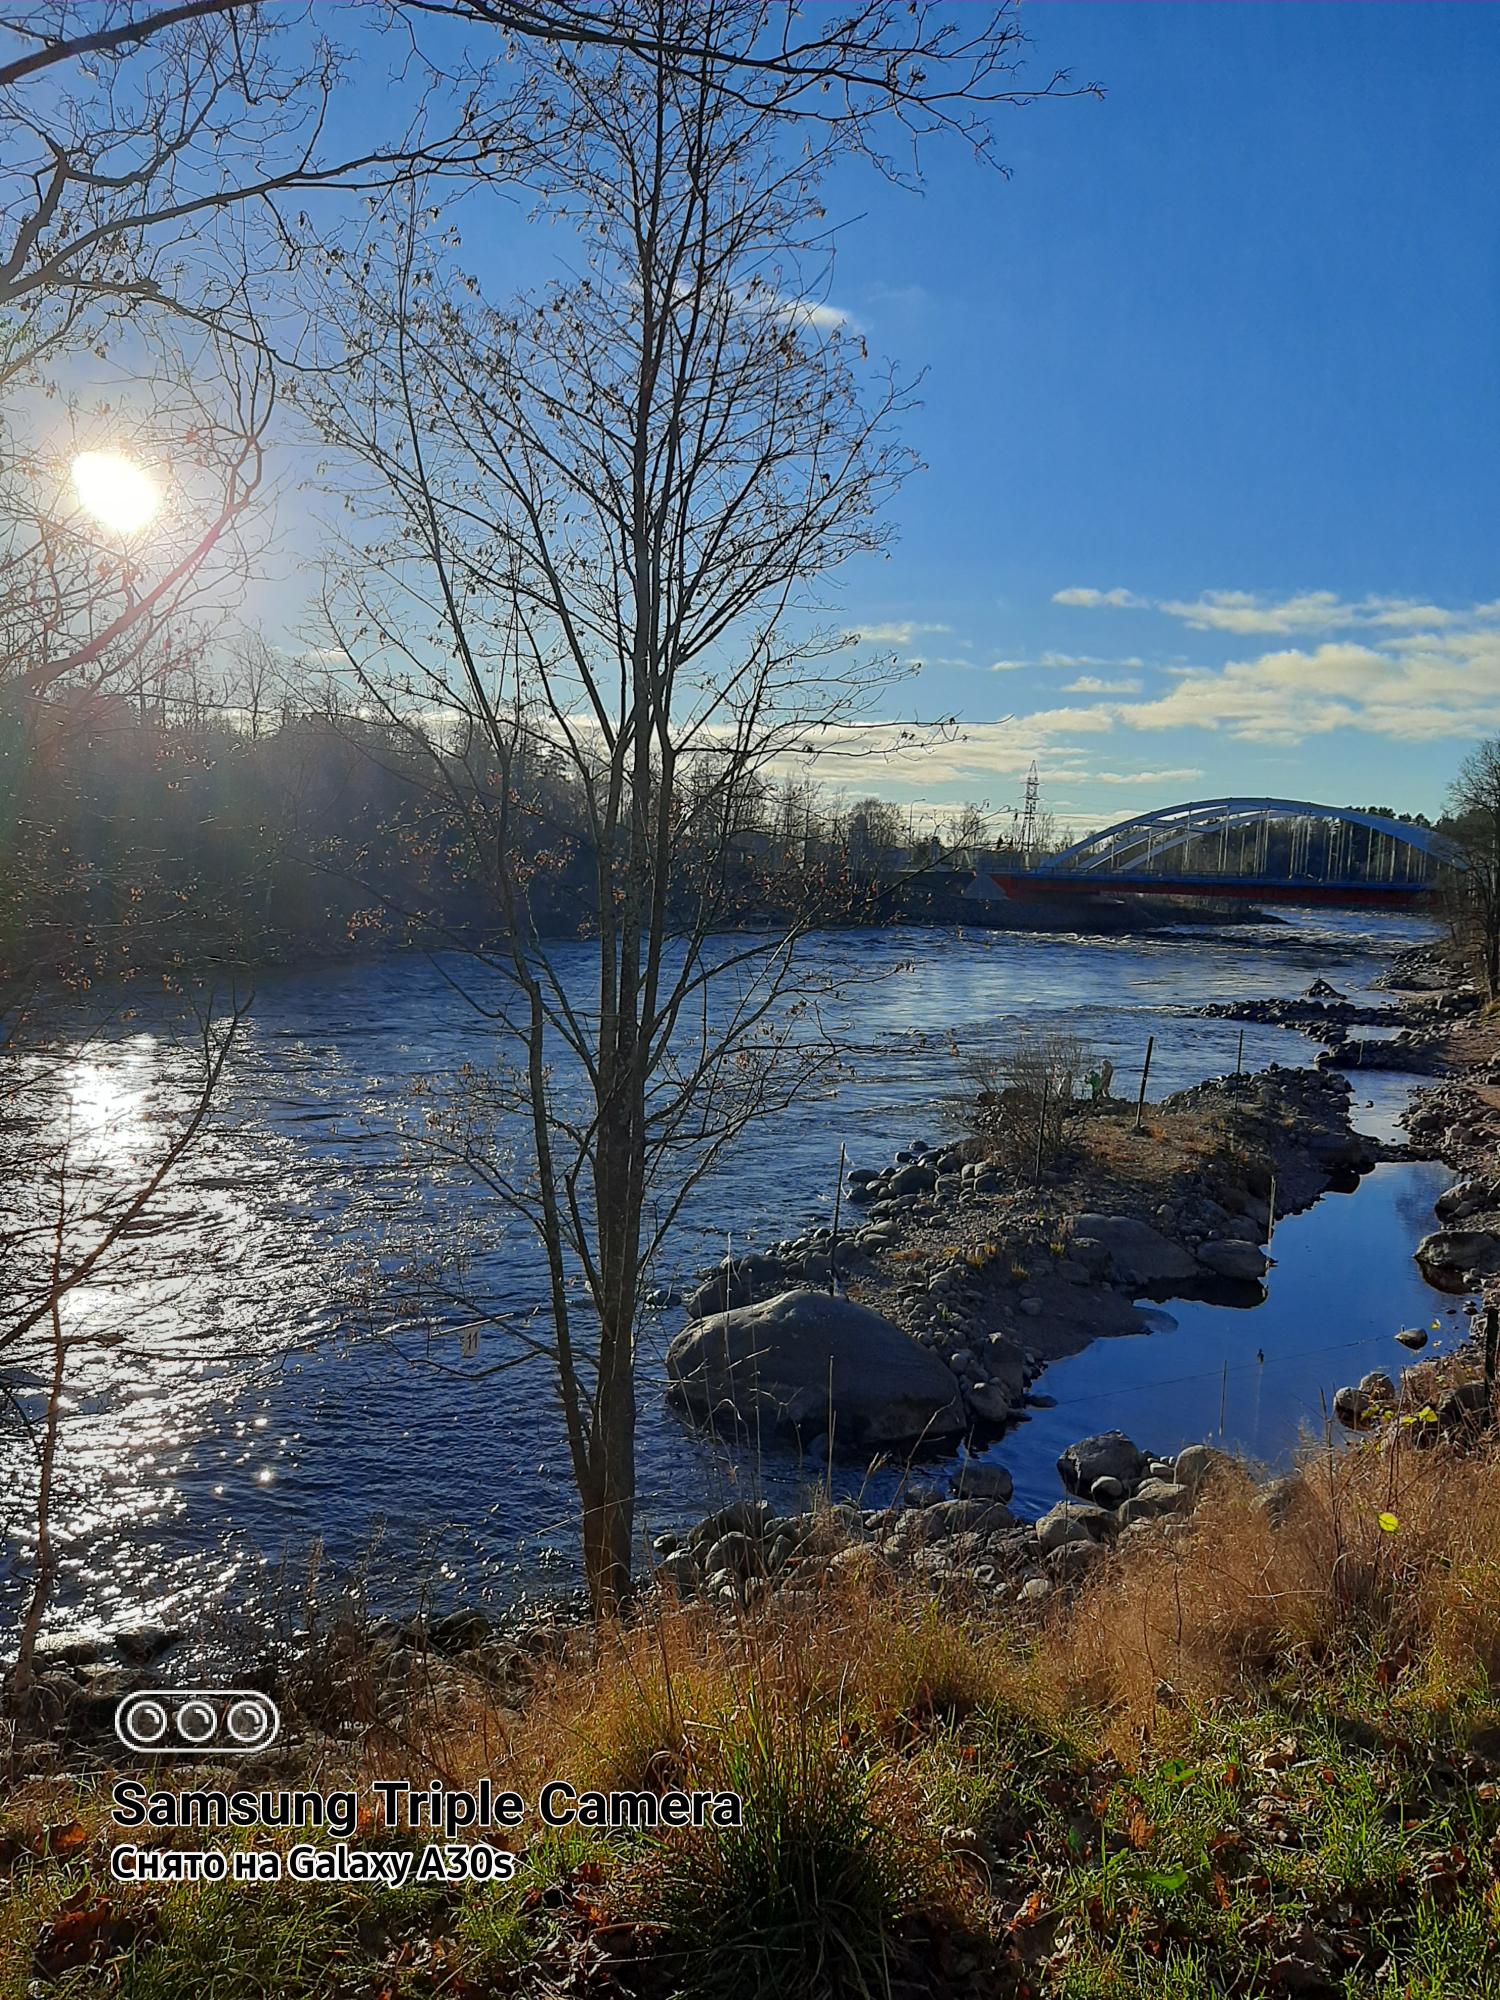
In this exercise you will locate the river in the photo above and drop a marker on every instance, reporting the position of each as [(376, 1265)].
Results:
[(243, 1417)]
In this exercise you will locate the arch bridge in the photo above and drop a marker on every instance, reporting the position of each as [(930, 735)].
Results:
[(1251, 850)]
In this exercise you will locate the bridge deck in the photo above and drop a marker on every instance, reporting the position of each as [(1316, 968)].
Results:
[(1239, 889)]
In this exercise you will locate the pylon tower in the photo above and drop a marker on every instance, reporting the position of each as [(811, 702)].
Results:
[(1028, 815)]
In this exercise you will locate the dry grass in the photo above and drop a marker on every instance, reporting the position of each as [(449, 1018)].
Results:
[(1206, 1613), (1210, 1614), (1192, 1615), (1171, 1146), (883, 1737)]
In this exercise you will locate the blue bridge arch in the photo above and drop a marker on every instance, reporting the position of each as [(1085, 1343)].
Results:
[(1245, 849)]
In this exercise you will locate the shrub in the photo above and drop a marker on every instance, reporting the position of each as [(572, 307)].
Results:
[(799, 1901), (1017, 1099)]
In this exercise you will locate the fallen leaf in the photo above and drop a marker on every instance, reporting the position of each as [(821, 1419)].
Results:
[(1279, 1754), (64, 1839), (83, 1933)]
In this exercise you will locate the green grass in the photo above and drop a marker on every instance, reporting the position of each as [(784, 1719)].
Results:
[(1329, 1835), (1274, 1850), (222, 1942), (798, 1903)]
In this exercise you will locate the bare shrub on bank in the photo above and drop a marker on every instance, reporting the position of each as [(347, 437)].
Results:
[(1017, 1099)]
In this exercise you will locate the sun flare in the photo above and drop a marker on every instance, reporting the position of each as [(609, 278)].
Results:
[(117, 492)]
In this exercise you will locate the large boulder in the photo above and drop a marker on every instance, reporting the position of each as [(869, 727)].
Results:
[(1137, 1253), (1467, 1198), (749, 1278), (1448, 1255), (1341, 1153), (1229, 1258), (979, 1480), (1195, 1464), (1351, 1407), (1154, 1497), (1002, 1361), (1111, 1455), (1466, 1406), (991, 1402), (803, 1361), (1072, 1521)]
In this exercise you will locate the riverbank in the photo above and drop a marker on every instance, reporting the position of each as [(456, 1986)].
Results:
[(1254, 1750), (1185, 1734), (997, 1274)]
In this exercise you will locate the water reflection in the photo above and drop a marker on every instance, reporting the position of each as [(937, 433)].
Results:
[(242, 1413), (1342, 1286)]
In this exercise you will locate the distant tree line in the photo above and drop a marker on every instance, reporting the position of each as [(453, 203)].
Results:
[(178, 829)]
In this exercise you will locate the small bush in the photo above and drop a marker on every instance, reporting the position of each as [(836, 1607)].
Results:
[(1017, 1100), (799, 1901)]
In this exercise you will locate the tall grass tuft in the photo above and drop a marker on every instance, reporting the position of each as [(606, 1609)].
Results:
[(797, 1902)]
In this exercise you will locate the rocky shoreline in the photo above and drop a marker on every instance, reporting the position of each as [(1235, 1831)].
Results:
[(975, 1285), (996, 1282)]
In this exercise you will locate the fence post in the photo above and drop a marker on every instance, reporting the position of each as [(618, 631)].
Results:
[(1491, 1352), (1140, 1102), (1041, 1128), (833, 1248)]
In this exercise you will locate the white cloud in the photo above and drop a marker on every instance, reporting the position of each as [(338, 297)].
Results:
[(1446, 686), (1179, 777), (1430, 617), (816, 313), (1058, 721), (893, 758), (1238, 611), (1091, 600), (893, 632), (1091, 684), (1245, 612)]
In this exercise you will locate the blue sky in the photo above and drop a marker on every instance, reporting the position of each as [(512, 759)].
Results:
[(1210, 415)]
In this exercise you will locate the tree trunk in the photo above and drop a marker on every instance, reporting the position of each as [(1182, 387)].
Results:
[(24, 1673), (609, 1502)]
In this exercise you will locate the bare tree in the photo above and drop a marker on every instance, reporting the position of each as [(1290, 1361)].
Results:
[(605, 513), (1474, 805), (130, 327), (970, 828), (606, 507)]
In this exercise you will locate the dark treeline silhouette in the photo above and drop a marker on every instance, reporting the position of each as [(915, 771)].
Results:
[(138, 841)]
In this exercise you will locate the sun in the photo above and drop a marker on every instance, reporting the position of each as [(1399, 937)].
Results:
[(116, 491)]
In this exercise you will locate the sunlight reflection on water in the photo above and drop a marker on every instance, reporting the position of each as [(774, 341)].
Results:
[(241, 1415)]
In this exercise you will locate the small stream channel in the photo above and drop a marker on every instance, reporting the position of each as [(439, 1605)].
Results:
[(1254, 1380)]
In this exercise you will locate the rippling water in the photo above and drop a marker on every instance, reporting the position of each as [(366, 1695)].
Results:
[(243, 1414)]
